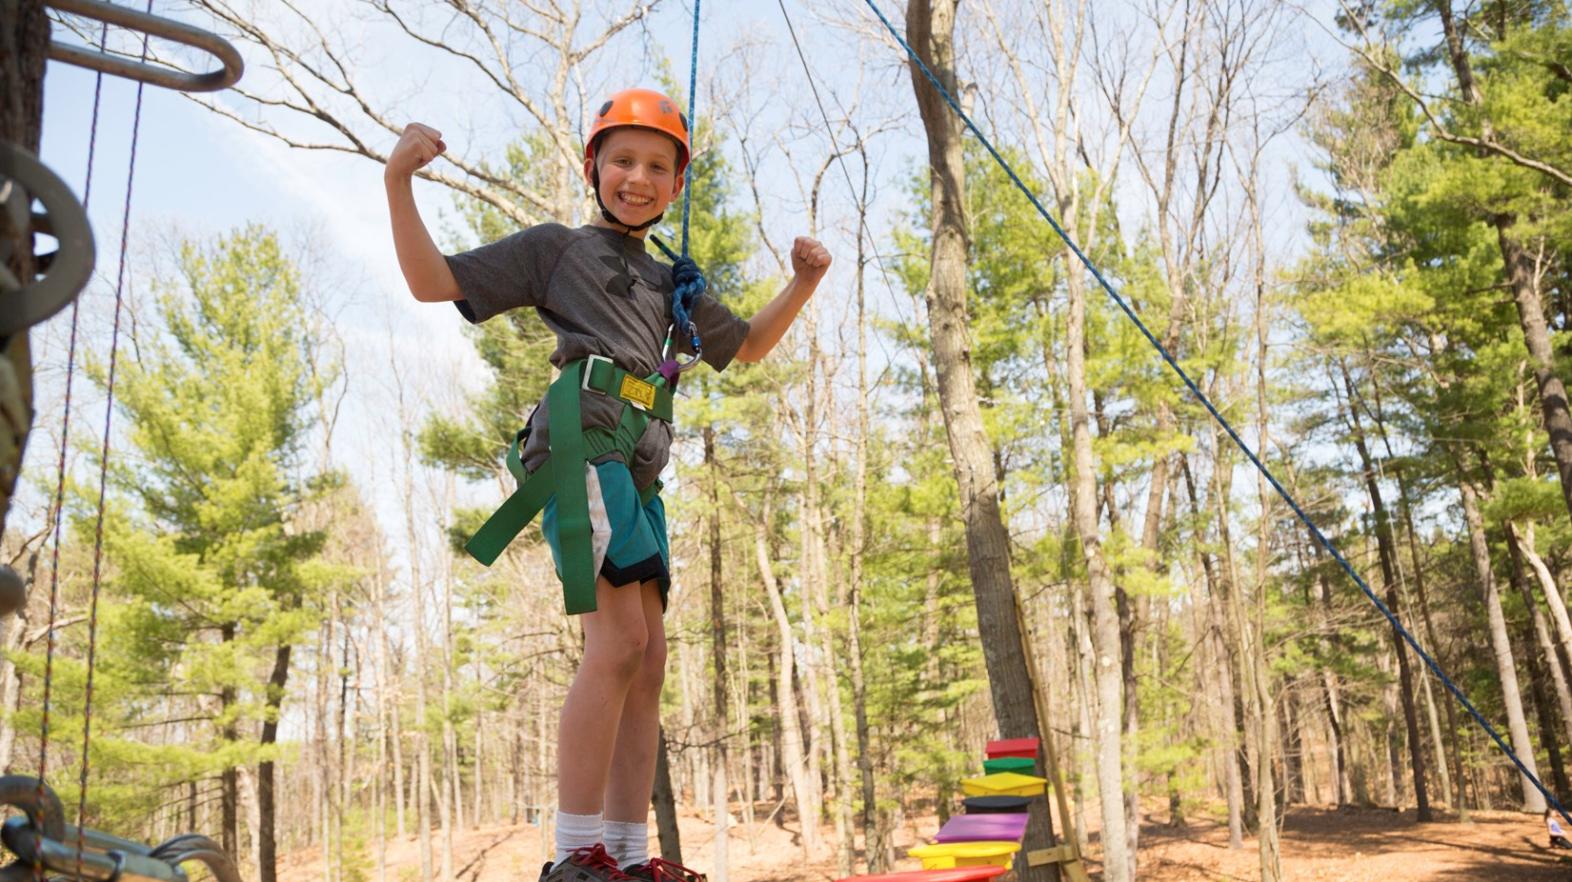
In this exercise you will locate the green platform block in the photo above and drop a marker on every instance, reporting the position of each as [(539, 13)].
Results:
[(1010, 764)]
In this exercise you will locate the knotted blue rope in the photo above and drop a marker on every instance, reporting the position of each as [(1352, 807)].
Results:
[(687, 284), (1206, 402)]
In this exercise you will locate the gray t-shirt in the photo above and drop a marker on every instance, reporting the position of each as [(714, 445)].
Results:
[(602, 294)]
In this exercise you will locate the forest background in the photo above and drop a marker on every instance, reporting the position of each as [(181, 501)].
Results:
[(1349, 223)]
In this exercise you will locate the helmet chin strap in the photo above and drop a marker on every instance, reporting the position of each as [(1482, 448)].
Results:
[(605, 212)]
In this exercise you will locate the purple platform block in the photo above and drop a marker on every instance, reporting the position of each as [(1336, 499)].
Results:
[(1003, 827)]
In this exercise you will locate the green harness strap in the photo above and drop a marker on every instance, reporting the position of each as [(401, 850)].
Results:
[(562, 474)]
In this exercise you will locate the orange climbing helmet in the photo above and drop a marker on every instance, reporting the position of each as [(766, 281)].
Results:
[(645, 109)]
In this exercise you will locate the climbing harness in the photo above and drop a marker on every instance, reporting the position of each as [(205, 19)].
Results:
[(562, 475), (39, 835), (1195, 390), (572, 446)]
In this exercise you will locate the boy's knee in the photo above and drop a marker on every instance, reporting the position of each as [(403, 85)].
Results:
[(652, 669), (622, 653)]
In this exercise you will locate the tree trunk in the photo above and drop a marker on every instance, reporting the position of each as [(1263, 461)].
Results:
[(1209, 628), (267, 843), (792, 753), (230, 824), (665, 800), (1387, 553), (1453, 787), (930, 26), (1544, 670), (1506, 666), (722, 711), (873, 847), (1520, 278)]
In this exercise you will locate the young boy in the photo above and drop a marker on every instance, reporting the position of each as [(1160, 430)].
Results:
[(606, 298)]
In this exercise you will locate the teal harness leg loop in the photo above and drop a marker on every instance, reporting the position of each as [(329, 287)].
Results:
[(562, 475)]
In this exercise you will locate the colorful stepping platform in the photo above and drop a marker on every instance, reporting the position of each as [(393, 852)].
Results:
[(983, 828), (1010, 764), (1016, 747), (955, 874), (1004, 784), (949, 855), (989, 805)]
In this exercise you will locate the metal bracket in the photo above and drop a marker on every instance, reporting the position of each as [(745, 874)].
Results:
[(157, 75), (29, 301), (44, 837)]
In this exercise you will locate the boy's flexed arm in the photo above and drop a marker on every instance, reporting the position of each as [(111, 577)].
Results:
[(425, 269), (809, 262)]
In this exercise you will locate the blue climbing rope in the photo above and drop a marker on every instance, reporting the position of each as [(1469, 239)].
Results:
[(1211, 409), (687, 279), (693, 119)]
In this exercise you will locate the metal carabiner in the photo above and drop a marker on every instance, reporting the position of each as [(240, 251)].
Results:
[(142, 22), (668, 354)]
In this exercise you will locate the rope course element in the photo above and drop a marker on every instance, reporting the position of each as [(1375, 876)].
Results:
[(147, 23), (38, 836), (58, 508), (1239, 441), (96, 857), (103, 469)]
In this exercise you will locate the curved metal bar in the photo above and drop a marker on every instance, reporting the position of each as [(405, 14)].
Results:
[(196, 847), (96, 866), (42, 809), (153, 74), (37, 801), (22, 179), (216, 860)]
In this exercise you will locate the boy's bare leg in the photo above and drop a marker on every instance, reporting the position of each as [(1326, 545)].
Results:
[(638, 737), (616, 642)]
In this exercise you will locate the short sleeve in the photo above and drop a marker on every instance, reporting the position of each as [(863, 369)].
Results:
[(508, 273), (721, 332)]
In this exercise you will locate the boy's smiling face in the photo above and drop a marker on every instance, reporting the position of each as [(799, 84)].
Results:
[(638, 173)]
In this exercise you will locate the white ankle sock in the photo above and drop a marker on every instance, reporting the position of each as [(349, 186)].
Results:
[(577, 831), (628, 841)]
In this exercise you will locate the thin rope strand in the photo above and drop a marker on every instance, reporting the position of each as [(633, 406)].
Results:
[(58, 509), (103, 472), (1211, 409)]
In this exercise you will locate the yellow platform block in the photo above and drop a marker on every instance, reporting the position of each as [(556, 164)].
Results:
[(948, 855), (1004, 784)]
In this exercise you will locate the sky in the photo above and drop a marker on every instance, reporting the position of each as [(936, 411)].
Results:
[(200, 175)]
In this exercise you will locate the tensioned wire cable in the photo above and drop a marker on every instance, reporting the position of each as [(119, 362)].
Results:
[(58, 509), (1200, 396), (103, 473)]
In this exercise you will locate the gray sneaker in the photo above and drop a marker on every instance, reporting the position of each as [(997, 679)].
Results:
[(660, 870)]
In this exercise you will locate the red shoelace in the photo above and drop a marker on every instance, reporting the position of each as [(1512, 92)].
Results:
[(595, 857), (662, 870)]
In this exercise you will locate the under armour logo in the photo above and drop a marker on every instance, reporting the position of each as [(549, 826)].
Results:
[(622, 279)]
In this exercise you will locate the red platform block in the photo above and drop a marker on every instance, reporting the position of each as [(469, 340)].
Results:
[(958, 874), (1018, 747)]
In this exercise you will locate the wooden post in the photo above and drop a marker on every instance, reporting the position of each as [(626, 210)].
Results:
[(1066, 854)]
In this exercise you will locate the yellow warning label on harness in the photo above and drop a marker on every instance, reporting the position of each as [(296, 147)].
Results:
[(638, 392)]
